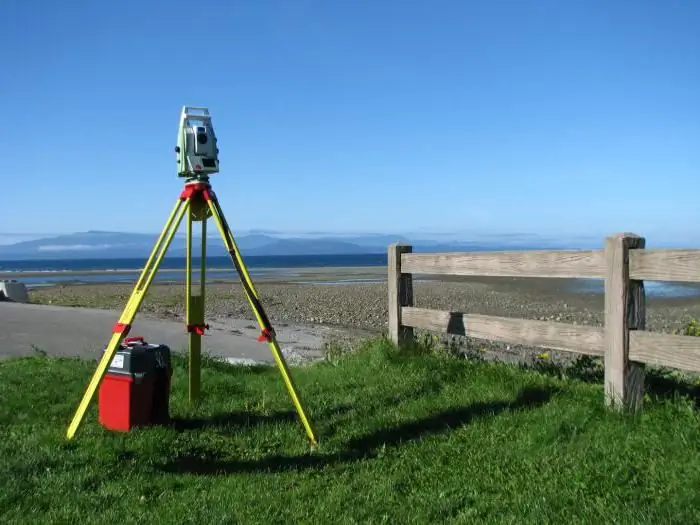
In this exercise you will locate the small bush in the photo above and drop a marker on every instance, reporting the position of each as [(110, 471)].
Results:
[(692, 328)]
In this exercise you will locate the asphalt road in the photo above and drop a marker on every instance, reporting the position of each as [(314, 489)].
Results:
[(83, 332)]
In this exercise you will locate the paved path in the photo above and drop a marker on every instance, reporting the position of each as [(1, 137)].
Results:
[(83, 332)]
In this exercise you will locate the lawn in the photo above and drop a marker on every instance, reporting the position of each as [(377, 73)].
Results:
[(403, 439)]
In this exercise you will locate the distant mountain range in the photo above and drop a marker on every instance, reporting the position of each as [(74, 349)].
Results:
[(115, 245)]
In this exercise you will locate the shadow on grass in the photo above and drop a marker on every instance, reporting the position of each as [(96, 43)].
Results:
[(208, 462), (659, 383), (233, 421)]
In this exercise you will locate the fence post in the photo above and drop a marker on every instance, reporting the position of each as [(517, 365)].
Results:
[(400, 293), (625, 310)]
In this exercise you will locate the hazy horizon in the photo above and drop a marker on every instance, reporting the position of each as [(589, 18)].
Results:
[(688, 239)]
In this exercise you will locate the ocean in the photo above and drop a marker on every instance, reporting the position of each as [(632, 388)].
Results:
[(176, 263), (49, 272)]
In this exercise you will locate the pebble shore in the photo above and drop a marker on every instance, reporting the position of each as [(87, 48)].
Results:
[(365, 306)]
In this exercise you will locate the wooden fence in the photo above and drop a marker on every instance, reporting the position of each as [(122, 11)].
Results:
[(623, 342)]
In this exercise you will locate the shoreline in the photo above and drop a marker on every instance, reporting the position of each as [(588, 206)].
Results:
[(332, 291), (359, 309), (328, 275), (126, 271)]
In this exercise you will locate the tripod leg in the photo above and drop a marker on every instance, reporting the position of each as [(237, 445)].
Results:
[(129, 313), (263, 321), (195, 301)]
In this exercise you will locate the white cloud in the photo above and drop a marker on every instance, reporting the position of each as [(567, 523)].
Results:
[(74, 247)]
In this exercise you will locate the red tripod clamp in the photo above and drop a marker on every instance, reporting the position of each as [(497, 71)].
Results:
[(197, 328), (266, 335)]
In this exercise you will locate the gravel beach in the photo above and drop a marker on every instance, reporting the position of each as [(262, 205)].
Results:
[(363, 307)]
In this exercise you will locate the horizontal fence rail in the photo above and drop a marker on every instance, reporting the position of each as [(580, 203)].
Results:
[(665, 265), (673, 351), (508, 264), (557, 336), (623, 342)]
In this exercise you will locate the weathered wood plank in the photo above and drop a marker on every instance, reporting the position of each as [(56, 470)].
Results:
[(559, 336), (674, 351), (625, 310), (540, 263), (400, 287), (665, 265)]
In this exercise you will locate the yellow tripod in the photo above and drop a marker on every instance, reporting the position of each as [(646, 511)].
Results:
[(199, 202)]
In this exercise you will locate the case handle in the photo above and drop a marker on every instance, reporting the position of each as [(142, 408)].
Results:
[(137, 339)]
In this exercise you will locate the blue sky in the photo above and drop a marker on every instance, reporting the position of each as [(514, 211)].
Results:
[(553, 117)]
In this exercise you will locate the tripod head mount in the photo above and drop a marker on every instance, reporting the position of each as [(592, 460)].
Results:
[(196, 150)]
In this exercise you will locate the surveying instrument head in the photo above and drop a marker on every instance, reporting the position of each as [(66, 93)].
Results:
[(197, 151)]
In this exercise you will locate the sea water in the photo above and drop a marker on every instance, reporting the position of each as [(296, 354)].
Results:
[(279, 267)]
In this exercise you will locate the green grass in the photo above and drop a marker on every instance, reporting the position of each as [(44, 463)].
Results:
[(404, 439)]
